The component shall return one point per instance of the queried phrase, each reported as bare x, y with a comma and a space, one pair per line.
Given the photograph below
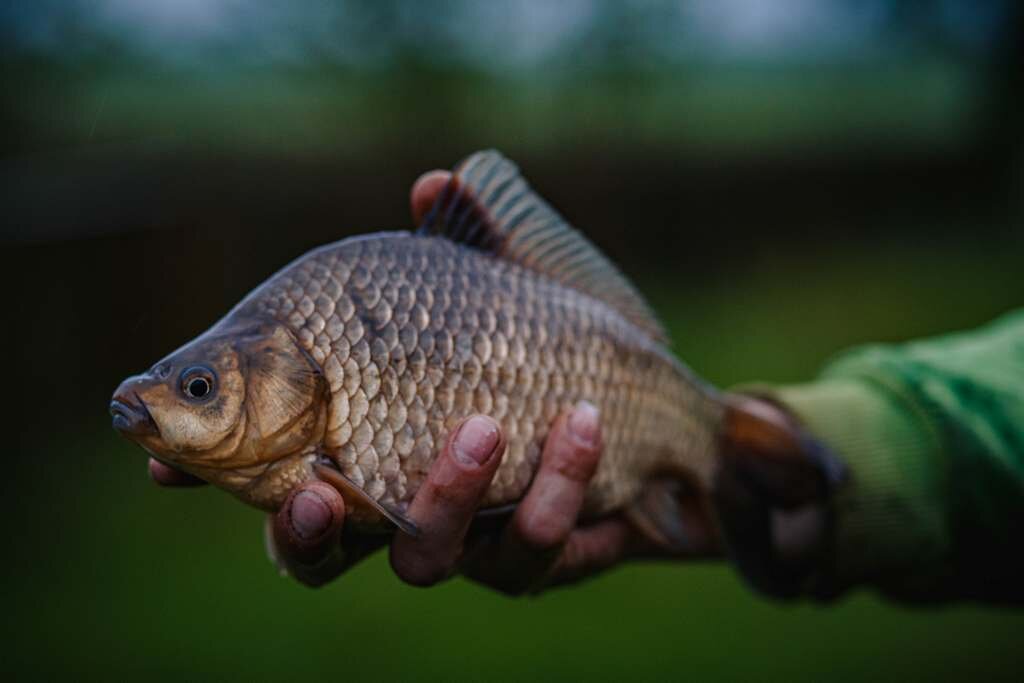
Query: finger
165, 475
774, 547
772, 487
550, 508
589, 550
425, 192
306, 533
446, 502
798, 534
544, 520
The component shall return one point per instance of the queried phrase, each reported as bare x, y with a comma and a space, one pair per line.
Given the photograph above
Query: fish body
355, 362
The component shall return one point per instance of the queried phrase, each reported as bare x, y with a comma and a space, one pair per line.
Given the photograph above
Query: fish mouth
131, 418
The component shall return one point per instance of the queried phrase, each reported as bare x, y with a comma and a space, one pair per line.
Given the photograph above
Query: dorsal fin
488, 205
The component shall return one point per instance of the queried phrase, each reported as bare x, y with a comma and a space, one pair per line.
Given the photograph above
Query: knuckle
543, 533
575, 461
422, 575
451, 485
573, 556
419, 571
447, 507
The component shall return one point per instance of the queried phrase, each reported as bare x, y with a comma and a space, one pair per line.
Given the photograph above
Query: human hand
540, 545
772, 493
760, 495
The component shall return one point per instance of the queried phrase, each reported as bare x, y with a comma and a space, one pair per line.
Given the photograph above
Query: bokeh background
785, 179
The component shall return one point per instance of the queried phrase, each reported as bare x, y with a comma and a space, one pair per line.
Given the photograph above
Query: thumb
304, 536
425, 191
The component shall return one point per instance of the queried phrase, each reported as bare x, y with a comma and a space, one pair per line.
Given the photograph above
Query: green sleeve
933, 435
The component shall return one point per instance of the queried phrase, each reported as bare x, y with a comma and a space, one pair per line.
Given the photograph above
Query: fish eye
197, 383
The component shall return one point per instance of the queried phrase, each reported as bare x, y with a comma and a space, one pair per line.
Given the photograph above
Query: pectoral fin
359, 503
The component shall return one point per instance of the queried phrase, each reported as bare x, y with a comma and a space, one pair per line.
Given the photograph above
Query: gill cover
266, 403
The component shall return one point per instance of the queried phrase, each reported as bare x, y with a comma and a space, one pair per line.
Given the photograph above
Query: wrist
887, 525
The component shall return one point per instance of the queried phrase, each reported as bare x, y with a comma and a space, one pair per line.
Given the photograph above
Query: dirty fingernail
310, 515
583, 423
476, 441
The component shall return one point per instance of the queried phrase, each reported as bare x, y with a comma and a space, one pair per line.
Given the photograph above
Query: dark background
783, 179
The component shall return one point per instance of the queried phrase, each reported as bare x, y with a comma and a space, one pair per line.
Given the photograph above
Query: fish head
228, 405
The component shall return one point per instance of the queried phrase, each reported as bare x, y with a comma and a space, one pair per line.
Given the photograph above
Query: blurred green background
784, 180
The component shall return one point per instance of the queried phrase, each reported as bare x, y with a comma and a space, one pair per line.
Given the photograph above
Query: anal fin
675, 518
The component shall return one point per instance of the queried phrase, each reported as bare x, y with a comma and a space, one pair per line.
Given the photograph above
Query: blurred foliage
326, 111
329, 78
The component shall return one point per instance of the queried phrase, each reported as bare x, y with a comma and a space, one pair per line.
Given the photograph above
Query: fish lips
131, 418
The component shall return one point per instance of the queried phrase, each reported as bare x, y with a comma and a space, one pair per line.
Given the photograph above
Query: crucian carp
353, 362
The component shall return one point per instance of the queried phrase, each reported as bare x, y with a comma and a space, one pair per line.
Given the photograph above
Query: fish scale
415, 333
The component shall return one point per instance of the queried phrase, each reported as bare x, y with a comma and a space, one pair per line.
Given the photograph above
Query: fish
352, 364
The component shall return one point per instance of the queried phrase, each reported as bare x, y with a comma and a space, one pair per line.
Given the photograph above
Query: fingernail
476, 441
583, 423
310, 515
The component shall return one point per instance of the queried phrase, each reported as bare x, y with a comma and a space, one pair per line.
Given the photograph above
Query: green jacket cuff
889, 526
